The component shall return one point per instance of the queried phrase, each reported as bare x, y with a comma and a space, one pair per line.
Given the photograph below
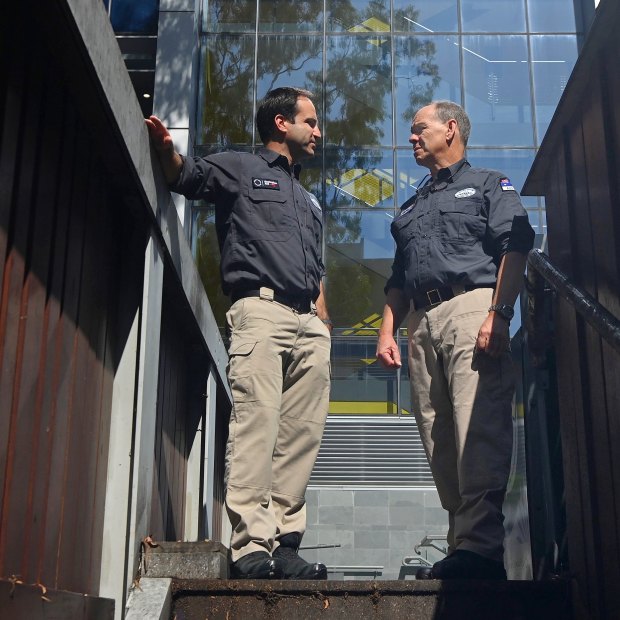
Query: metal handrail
600, 319
429, 541
354, 567
359, 570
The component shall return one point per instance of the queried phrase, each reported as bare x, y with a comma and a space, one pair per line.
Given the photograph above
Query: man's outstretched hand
160, 136
161, 140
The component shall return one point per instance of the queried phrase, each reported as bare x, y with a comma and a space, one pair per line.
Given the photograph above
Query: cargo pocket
240, 369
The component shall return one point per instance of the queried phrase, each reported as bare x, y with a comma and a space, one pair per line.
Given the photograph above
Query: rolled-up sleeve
508, 228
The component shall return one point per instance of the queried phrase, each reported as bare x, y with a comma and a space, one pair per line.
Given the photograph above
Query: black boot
257, 565
424, 572
462, 564
296, 567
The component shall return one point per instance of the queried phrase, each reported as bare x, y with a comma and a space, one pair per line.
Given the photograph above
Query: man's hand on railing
159, 134
171, 162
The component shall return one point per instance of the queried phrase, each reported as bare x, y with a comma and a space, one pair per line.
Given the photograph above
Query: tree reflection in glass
229, 15
207, 256
227, 91
287, 16
301, 65
352, 177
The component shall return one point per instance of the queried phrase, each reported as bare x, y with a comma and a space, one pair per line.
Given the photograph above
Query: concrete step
218, 599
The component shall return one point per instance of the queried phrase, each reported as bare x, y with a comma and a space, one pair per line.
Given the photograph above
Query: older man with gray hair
461, 247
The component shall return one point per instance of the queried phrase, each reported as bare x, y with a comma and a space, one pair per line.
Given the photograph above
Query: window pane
497, 90
425, 16
360, 385
301, 65
287, 16
226, 90
358, 16
358, 257
514, 163
427, 68
534, 216
410, 176
493, 15
135, 16
311, 176
553, 59
359, 203
357, 178
405, 385
227, 16
207, 256
552, 15
358, 88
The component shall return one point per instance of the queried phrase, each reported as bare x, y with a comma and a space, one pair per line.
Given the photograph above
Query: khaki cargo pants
463, 406
279, 376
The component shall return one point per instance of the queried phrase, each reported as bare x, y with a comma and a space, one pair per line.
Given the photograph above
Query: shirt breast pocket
270, 213
462, 224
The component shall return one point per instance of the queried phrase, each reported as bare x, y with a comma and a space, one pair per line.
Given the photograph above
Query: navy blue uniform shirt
269, 227
456, 229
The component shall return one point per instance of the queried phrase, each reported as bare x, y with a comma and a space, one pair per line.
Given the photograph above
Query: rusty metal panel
30, 602
61, 260
73, 233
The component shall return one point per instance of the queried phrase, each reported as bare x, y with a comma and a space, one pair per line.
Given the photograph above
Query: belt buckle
431, 295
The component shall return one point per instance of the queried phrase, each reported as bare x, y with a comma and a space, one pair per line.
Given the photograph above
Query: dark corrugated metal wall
578, 171
60, 253
74, 228
181, 411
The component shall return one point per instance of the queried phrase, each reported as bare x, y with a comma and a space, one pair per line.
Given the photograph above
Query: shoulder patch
313, 199
465, 193
506, 185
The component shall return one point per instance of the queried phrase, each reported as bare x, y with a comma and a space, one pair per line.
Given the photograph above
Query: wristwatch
504, 310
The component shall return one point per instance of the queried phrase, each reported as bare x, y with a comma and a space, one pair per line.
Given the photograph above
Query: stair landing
218, 599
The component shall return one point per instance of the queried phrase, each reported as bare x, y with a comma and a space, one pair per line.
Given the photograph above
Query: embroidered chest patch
265, 183
465, 193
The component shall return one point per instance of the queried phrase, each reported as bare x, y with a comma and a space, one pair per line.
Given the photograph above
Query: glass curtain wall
371, 65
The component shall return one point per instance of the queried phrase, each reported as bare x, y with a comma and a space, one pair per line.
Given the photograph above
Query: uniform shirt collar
273, 158
448, 174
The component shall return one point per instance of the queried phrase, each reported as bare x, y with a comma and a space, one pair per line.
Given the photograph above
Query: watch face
504, 310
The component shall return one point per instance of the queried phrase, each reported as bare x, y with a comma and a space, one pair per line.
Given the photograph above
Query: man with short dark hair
461, 247
269, 230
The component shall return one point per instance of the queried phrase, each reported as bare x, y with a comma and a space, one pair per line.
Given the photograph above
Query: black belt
433, 297
299, 303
